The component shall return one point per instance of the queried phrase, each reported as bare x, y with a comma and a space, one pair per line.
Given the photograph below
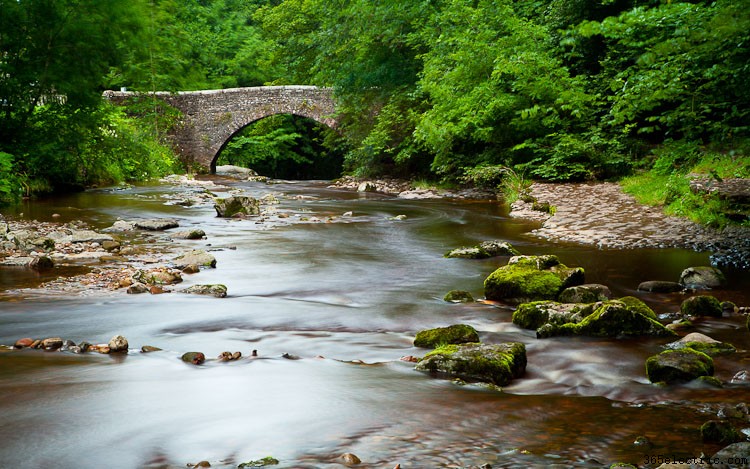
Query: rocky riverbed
602, 215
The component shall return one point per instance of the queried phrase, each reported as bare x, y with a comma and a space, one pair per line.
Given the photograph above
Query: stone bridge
210, 118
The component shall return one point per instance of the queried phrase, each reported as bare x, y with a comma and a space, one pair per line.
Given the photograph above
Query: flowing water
347, 298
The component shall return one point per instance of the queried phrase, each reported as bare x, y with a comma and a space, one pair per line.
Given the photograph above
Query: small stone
409, 358
36, 344
156, 290
366, 187
103, 349
203, 464
218, 291
23, 343
41, 263
290, 356
191, 269
458, 296
149, 348
84, 346
52, 343
350, 459
118, 344
196, 358
137, 288
742, 376
225, 356
110, 245
157, 225
67, 345
236, 355
658, 286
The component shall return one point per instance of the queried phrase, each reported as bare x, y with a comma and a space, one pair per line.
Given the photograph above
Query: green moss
467, 253
521, 282
497, 364
616, 319
702, 305
639, 306
710, 381
455, 334
538, 313
458, 296
267, 461
719, 431
711, 349
677, 366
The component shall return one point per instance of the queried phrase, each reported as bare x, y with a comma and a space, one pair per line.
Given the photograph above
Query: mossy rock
455, 334
587, 293
702, 305
626, 317
678, 366
538, 313
720, 431
196, 257
703, 277
237, 205
215, 290
531, 278
496, 364
458, 296
703, 343
267, 461
484, 250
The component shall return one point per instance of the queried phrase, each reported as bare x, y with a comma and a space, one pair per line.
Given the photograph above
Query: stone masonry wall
210, 118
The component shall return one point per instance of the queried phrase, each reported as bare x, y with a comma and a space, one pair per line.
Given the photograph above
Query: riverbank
602, 215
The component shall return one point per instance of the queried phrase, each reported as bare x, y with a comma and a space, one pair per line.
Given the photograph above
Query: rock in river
678, 366
702, 305
197, 257
455, 334
217, 290
660, 286
160, 224
530, 278
458, 296
237, 205
196, 358
118, 344
484, 250
703, 343
497, 364
704, 277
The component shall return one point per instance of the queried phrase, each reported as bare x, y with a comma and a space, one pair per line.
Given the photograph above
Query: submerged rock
40, 263
455, 334
217, 290
458, 296
531, 278
497, 364
720, 431
678, 366
237, 205
350, 459
196, 358
704, 277
660, 286
197, 257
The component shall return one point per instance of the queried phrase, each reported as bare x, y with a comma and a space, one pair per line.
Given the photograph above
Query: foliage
9, 189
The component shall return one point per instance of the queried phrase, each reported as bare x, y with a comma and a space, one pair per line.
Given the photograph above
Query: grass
672, 190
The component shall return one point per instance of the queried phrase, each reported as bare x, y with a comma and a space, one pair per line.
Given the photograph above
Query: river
345, 297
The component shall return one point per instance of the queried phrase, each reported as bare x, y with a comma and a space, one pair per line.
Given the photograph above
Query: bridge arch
211, 117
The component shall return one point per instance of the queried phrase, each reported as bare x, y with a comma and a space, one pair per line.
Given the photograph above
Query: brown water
346, 297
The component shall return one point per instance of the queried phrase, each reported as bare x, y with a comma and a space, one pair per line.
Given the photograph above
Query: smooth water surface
346, 297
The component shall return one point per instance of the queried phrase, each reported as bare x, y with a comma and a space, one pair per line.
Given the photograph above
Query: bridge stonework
210, 118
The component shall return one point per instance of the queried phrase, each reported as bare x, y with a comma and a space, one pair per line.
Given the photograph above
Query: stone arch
211, 117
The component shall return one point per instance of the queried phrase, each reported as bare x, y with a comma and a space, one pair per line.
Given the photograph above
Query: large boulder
237, 205
538, 313
531, 278
197, 257
703, 277
455, 334
497, 364
624, 317
678, 366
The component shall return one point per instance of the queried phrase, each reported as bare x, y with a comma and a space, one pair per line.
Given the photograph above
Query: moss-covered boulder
624, 317
538, 313
678, 366
215, 290
703, 343
703, 277
197, 257
720, 431
484, 250
497, 364
455, 334
702, 305
587, 293
458, 296
531, 278
237, 205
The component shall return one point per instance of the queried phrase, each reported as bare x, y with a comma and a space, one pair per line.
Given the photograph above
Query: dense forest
458, 91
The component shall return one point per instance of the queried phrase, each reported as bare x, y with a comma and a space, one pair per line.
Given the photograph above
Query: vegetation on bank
483, 92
